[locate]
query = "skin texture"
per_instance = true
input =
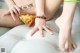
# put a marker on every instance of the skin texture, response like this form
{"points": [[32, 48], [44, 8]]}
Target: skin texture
{"points": [[64, 22], [50, 8]]}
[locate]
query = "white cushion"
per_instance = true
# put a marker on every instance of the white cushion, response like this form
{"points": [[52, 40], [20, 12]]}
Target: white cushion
{"points": [[34, 46], [37, 43], [47, 37]]}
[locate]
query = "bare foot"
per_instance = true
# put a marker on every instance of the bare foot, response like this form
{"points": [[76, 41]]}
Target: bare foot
{"points": [[65, 39]]}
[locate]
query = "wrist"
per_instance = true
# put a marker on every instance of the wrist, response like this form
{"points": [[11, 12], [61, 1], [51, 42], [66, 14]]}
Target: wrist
{"points": [[39, 20], [41, 17]]}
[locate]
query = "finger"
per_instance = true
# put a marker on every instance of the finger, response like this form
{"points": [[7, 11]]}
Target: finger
{"points": [[62, 49], [15, 11], [66, 46], [67, 50], [49, 28], [34, 30], [6, 13], [74, 45], [70, 48], [49, 31], [41, 31], [12, 14], [18, 9]]}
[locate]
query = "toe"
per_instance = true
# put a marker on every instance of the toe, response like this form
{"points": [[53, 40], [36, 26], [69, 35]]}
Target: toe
{"points": [[62, 49], [71, 48], [74, 46]]}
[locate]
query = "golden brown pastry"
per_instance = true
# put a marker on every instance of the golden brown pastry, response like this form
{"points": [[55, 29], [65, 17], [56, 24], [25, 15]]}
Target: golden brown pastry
{"points": [[27, 19]]}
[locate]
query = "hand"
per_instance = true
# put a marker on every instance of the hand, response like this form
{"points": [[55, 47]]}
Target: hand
{"points": [[14, 11], [40, 24]]}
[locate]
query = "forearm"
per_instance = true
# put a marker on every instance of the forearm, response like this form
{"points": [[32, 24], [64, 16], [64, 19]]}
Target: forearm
{"points": [[69, 8], [10, 2], [39, 7]]}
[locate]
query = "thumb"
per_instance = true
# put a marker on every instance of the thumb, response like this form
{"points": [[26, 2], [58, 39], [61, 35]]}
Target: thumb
{"points": [[6, 13]]}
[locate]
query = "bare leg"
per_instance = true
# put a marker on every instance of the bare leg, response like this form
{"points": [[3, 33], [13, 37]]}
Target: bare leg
{"points": [[64, 22], [51, 6], [7, 21]]}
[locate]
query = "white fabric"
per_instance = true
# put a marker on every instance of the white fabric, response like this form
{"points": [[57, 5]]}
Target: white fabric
{"points": [[37, 43], [9, 39], [34, 46]]}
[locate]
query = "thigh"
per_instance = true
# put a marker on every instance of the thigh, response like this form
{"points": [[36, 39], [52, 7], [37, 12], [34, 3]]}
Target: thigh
{"points": [[7, 20], [51, 7]]}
